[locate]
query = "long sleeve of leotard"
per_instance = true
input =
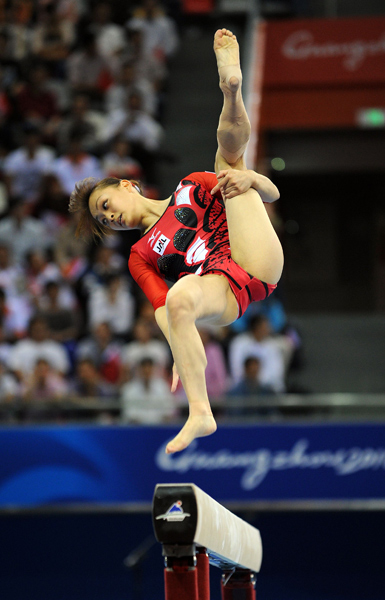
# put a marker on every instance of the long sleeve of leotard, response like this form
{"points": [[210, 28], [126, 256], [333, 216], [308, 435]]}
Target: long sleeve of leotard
{"points": [[148, 280]]}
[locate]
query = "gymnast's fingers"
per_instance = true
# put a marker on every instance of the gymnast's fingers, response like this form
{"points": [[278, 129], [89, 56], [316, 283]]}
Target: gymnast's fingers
{"points": [[220, 183], [175, 379]]}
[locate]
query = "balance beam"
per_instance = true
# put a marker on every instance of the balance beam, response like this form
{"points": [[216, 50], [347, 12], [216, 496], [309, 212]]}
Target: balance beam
{"points": [[191, 525]]}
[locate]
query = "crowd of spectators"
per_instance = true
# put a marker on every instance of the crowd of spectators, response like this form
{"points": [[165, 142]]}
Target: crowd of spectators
{"points": [[82, 94]]}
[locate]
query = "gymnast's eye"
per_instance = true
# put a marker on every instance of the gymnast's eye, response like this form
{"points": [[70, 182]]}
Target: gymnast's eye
{"points": [[104, 205]]}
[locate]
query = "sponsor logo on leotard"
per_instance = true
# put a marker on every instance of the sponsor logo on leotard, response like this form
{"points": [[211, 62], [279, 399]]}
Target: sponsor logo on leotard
{"points": [[197, 252], [183, 195], [161, 244], [174, 513]]}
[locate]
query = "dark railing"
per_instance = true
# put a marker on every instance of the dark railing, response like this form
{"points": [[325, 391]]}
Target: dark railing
{"points": [[337, 406]]}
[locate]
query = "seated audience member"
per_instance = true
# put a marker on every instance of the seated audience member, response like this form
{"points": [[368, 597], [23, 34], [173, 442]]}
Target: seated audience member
{"points": [[119, 162], [160, 37], [127, 82], [44, 383], [249, 386], [25, 167], [216, 371], [15, 313], [105, 262], [109, 37], [9, 387], [36, 345], [52, 39], [142, 131], [147, 67], [259, 342], [22, 233], [52, 204], [112, 303], [88, 383], [71, 252], [145, 346], [12, 276], [147, 397], [76, 164], [39, 270], [86, 121], [135, 125], [104, 350], [18, 32], [36, 103], [60, 312], [88, 71]]}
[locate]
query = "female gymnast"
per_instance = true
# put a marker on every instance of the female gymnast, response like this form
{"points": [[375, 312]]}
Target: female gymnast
{"points": [[214, 226]]}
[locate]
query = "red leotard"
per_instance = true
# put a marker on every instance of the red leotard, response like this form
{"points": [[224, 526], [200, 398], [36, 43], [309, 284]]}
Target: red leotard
{"points": [[191, 237]]}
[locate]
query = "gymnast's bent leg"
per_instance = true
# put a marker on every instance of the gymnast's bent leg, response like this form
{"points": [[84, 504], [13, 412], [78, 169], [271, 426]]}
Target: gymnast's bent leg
{"points": [[191, 299]]}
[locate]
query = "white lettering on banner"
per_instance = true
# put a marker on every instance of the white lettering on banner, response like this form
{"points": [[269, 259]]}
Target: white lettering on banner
{"points": [[197, 252], [300, 45], [259, 463], [161, 244]]}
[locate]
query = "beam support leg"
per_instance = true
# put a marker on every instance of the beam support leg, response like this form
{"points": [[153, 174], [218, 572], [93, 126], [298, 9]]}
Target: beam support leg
{"points": [[203, 566], [239, 585]]}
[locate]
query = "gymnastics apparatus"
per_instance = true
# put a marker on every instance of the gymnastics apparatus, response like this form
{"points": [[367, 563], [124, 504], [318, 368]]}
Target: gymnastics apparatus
{"points": [[196, 531]]}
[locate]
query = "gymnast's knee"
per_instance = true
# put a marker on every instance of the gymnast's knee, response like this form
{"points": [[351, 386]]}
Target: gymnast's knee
{"points": [[181, 305]]}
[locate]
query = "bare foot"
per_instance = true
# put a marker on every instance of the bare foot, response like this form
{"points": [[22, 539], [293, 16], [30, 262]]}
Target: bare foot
{"points": [[226, 49], [195, 426]]}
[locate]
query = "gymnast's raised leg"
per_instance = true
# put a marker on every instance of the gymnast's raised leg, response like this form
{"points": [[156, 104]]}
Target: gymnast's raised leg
{"points": [[247, 218]]}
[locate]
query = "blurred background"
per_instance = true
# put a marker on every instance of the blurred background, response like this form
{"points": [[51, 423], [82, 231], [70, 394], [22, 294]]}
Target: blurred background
{"points": [[130, 90]]}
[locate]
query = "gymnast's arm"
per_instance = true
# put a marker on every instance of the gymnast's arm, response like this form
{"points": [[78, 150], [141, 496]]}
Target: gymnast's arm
{"points": [[155, 288], [233, 182]]}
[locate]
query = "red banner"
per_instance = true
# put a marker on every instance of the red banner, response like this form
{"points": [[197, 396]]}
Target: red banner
{"points": [[321, 52]]}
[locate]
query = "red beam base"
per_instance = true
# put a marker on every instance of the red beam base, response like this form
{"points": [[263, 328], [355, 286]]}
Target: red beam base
{"points": [[239, 585], [181, 580], [203, 566]]}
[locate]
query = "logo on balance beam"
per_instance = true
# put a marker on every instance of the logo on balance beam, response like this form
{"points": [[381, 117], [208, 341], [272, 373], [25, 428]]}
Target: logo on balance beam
{"points": [[174, 513]]}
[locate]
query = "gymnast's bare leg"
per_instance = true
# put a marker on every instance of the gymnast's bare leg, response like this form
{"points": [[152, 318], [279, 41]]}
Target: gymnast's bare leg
{"points": [[210, 297]]}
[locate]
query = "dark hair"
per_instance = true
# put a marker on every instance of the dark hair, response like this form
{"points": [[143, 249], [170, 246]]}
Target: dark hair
{"points": [[250, 360], [79, 202]]}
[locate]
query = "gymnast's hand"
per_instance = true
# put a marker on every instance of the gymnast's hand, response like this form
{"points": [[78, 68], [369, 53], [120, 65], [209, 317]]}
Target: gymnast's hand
{"points": [[175, 378], [232, 182]]}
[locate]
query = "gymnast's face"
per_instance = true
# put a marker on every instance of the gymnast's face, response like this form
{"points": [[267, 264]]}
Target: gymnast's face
{"points": [[116, 207]]}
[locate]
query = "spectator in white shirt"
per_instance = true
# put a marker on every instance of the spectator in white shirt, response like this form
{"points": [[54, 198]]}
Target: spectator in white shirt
{"points": [[76, 164], [134, 124], [125, 83], [22, 233], [25, 167], [110, 37], [160, 37], [12, 276], [112, 303], [147, 398], [258, 342], [145, 346], [26, 352], [15, 313]]}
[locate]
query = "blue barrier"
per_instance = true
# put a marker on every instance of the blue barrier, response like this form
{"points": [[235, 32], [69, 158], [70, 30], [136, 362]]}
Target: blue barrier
{"points": [[55, 465]]}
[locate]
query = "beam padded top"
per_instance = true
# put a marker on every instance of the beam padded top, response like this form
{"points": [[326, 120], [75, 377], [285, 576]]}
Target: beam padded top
{"points": [[183, 514]]}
